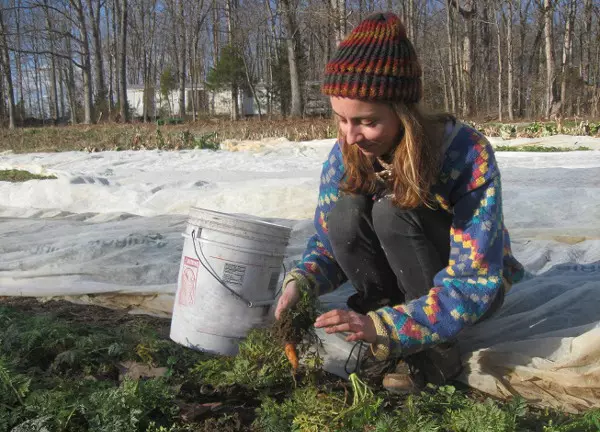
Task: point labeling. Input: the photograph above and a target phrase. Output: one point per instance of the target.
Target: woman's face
(373, 127)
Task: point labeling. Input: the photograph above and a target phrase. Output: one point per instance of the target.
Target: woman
(409, 211)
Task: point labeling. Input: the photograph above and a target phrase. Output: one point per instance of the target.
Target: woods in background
(73, 60)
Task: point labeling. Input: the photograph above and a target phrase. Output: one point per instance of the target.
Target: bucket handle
(213, 273)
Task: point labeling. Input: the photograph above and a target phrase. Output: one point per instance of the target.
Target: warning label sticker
(189, 275)
(233, 274)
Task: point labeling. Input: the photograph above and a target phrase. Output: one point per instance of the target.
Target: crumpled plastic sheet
(544, 344)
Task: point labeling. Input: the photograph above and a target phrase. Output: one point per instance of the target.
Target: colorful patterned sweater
(468, 187)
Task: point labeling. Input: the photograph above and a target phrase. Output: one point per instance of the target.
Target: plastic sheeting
(82, 237)
(544, 344)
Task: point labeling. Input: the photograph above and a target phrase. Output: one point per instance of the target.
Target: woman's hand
(290, 296)
(359, 326)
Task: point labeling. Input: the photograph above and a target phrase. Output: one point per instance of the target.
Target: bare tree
(94, 7)
(567, 55)
(6, 67)
(293, 57)
(53, 88)
(510, 60)
(123, 62)
(549, 47)
(499, 40)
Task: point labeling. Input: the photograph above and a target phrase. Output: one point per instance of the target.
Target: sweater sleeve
(318, 272)
(464, 290)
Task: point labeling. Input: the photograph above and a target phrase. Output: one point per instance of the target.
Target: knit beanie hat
(376, 62)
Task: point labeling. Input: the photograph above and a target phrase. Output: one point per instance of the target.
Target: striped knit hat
(376, 62)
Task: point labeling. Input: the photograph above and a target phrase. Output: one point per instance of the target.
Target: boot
(436, 365)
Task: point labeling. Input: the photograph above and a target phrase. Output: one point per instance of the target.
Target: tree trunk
(566, 56)
(499, 39)
(531, 64)
(61, 87)
(451, 75)
(70, 80)
(549, 38)
(19, 65)
(6, 67)
(487, 41)
(229, 11)
(86, 70)
(523, 15)
(586, 55)
(182, 59)
(100, 100)
(123, 63)
(292, 49)
(510, 60)
(115, 48)
(53, 90)
(338, 11)
(468, 13)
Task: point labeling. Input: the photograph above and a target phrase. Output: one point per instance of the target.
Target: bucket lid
(240, 224)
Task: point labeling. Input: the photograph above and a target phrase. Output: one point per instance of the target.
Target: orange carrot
(292, 355)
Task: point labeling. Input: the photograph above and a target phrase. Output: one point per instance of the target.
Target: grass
(204, 134)
(15, 176)
(66, 367)
(208, 133)
(538, 148)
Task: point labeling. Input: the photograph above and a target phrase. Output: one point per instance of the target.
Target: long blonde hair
(416, 160)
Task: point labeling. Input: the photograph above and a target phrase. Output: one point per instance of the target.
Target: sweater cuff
(381, 348)
(301, 282)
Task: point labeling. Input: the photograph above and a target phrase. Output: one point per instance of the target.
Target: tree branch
(47, 52)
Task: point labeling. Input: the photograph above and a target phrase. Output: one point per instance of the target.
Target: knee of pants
(389, 219)
(347, 220)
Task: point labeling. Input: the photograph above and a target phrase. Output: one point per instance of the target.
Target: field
(209, 133)
(65, 367)
(68, 367)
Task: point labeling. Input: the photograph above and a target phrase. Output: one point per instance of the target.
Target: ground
(68, 367)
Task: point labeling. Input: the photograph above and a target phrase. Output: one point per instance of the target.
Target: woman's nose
(353, 134)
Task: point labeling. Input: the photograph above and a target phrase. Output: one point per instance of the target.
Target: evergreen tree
(228, 72)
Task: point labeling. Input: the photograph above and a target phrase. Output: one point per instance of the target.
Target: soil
(85, 314)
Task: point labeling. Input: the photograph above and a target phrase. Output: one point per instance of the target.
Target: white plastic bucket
(228, 279)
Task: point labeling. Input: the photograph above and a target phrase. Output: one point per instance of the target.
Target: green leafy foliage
(168, 82)
(229, 70)
(15, 176)
(260, 363)
(207, 141)
(58, 375)
(130, 406)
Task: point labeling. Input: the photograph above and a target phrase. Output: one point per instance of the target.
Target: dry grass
(201, 134)
(208, 133)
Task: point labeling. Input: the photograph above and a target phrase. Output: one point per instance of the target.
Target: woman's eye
(368, 123)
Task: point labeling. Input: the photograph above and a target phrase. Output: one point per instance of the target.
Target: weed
(539, 148)
(60, 375)
(15, 176)
(508, 131)
(206, 142)
(260, 364)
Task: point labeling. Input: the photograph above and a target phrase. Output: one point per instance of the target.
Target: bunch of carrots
(295, 326)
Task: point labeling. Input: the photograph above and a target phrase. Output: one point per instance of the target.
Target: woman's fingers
(289, 298)
(332, 318)
(359, 326)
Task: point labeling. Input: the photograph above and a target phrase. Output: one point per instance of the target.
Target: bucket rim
(197, 212)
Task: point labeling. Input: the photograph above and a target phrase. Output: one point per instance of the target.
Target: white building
(206, 101)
